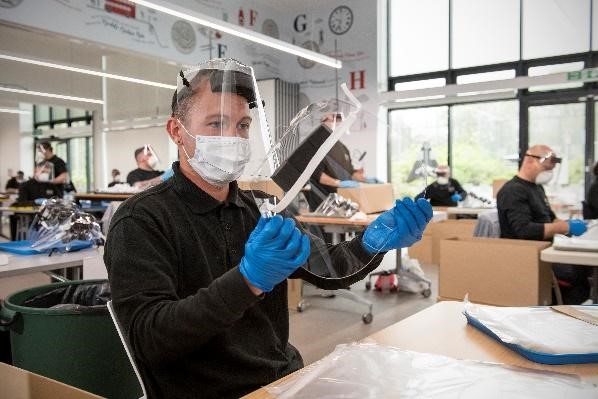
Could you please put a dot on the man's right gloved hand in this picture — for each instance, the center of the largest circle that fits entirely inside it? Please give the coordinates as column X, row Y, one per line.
column 348, row 184
column 274, row 250
column 577, row 227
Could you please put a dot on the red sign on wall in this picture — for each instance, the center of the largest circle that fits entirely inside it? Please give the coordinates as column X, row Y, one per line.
column 121, row 7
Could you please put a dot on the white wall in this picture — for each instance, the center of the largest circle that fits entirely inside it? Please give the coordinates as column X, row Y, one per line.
column 9, row 146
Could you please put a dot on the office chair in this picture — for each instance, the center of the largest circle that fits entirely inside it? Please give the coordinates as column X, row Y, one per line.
column 126, row 346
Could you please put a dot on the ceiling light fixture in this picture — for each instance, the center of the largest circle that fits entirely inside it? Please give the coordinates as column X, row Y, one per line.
column 15, row 111
column 86, row 71
column 52, row 95
column 226, row 27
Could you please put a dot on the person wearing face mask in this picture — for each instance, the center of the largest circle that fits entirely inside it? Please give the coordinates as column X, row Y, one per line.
column 146, row 162
column 12, row 185
column 58, row 172
column 445, row 191
column 115, row 178
column 197, row 274
column 524, row 213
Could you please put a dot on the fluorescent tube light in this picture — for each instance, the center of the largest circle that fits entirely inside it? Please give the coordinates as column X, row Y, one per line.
column 52, row 95
column 231, row 29
column 15, row 111
column 87, row 71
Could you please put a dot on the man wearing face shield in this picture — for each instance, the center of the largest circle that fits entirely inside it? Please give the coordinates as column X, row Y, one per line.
column 146, row 162
column 524, row 213
column 198, row 276
column 445, row 191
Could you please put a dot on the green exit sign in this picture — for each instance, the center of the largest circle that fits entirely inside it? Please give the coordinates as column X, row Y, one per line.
column 585, row 75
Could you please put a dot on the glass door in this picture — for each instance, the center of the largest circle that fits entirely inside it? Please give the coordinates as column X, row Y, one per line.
column 563, row 128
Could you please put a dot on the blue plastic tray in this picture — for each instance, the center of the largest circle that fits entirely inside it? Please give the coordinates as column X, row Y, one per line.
column 538, row 357
column 24, row 247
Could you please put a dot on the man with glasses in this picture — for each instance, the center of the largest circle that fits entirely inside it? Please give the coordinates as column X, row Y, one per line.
column 524, row 213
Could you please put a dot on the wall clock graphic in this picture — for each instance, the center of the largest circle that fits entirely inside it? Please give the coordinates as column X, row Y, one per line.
column 340, row 20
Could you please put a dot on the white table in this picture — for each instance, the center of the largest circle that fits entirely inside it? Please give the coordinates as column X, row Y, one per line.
column 455, row 210
column 25, row 264
column 581, row 258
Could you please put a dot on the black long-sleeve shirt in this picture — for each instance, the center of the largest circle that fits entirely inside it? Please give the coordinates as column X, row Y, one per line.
column 440, row 194
column 196, row 329
column 523, row 209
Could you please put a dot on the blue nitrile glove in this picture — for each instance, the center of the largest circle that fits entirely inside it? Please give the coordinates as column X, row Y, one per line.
column 372, row 180
column 398, row 227
column 577, row 227
column 348, row 184
column 456, row 197
column 168, row 173
column 274, row 250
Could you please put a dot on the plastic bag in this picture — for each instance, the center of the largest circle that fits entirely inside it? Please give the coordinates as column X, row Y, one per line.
column 539, row 328
column 61, row 222
column 375, row 371
column 82, row 298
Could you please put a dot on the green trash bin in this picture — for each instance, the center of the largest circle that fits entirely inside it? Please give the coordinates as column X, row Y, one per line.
column 74, row 342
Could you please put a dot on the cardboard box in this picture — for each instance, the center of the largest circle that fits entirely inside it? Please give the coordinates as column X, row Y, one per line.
column 371, row 198
column 494, row 271
column 267, row 186
column 422, row 250
column 16, row 383
column 295, row 292
column 447, row 229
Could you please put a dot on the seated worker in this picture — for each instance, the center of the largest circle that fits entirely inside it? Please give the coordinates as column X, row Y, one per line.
column 524, row 213
column 115, row 178
column 336, row 170
column 445, row 191
column 12, row 185
column 198, row 278
column 146, row 162
column 59, row 175
column 591, row 203
column 40, row 186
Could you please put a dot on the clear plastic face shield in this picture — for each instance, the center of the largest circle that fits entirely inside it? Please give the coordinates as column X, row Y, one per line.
column 151, row 156
column 219, row 109
column 289, row 169
column 550, row 165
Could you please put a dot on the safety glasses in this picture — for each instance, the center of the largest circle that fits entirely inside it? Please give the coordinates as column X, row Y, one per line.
column 550, row 157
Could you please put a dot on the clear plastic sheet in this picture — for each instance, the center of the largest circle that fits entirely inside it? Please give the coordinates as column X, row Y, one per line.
column 374, row 371
column 539, row 328
column 60, row 222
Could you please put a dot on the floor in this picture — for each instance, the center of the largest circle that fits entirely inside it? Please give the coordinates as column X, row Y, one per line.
column 328, row 322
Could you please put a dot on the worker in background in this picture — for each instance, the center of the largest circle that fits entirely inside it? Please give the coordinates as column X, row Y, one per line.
column 115, row 178
column 524, row 213
column 591, row 202
column 40, row 186
column 198, row 278
column 59, row 175
column 336, row 170
column 12, row 185
column 445, row 191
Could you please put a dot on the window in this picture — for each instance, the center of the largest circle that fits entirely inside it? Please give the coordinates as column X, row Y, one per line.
column 484, row 32
column 485, row 147
column 486, row 76
column 562, row 127
column 420, row 84
column 418, row 36
column 410, row 128
column 555, row 27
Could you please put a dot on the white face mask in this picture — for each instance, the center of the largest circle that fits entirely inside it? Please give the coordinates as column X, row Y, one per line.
column 117, row 178
column 544, row 177
column 43, row 177
column 219, row 160
column 443, row 180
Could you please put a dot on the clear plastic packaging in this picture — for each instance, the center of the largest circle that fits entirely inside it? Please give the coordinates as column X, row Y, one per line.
column 540, row 329
column 60, row 223
column 375, row 371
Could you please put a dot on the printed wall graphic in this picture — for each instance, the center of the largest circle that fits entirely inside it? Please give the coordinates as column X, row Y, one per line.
column 183, row 36
column 340, row 20
column 270, row 28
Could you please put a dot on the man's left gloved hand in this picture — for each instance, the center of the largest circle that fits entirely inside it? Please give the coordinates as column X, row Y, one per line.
column 456, row 197
column 398, row 227
column 168, row 173
column 577, row 227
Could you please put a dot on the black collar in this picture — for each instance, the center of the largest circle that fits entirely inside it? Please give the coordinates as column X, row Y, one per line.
column 199, row 201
